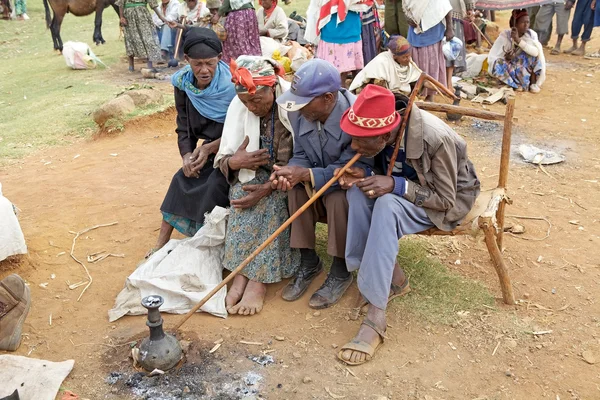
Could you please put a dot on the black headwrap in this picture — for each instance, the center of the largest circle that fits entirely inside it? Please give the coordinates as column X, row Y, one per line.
column 201, row 43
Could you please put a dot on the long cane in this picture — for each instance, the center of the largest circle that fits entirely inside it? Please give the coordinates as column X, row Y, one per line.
column 482, row 34
column 411, row 100
column 268, row 241
column 178, row 42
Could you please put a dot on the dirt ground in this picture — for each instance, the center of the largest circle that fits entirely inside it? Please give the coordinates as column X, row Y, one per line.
column 491, row 354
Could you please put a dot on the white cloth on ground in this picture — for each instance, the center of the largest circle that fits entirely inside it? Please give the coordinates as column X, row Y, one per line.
column 182, row 272
column 529, row 44
column 426, row 13
column 33, row 378
column 276, row 23
column 240, row 122
column 12, row 241
column 384, row 67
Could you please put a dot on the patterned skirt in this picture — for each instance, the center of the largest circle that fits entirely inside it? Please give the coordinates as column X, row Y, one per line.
column 516, row 73
column 345, row 57
column 242, row 35
column 431, row 60
column 141, row 39
column 247, row 229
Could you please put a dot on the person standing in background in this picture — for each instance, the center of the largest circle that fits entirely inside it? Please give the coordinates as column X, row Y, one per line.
column 371, row 34
column 461, row 9
column 241, row 25
column 395, row 20
column 582, row 18
column 543, row 22
column 430, row 21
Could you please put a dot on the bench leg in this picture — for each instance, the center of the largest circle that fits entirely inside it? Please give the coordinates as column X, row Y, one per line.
column 496, row 256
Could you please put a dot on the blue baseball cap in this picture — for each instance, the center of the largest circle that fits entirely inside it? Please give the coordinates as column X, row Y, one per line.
column 314, row 78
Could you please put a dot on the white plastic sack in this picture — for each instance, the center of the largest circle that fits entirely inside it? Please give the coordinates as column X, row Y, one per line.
column 452, row 48
column 182, row 272
column 79, row 55
column 269, row 45
column 33, row 378
column 12, row 241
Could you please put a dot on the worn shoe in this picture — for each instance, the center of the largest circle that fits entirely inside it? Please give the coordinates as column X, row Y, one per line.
column 331, row 292
column 15, row 300
column 298, row 285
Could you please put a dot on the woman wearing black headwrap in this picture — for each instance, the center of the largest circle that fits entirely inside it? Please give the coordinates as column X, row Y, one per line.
column 203, row 91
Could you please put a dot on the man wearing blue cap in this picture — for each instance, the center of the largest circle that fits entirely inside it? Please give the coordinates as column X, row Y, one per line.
column 315, row 104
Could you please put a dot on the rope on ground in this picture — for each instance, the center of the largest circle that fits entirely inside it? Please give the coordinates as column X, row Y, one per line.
column 77, row 234
column 534, row 218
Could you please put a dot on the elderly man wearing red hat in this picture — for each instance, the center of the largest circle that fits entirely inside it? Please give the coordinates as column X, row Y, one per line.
column 433, row 184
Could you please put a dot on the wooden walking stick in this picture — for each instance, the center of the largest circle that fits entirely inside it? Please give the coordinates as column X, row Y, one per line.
column 482, row 34
column 411, row 100
column 178, row 42
column 268, row 241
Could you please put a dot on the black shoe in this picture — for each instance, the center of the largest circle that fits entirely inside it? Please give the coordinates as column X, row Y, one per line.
column 298, row 285
column 331, row 292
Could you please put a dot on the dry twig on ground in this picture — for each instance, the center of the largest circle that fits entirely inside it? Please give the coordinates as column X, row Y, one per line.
column 77, row 234
column 534, row 218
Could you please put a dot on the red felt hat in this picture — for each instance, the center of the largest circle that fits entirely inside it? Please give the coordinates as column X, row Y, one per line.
column 373, row 113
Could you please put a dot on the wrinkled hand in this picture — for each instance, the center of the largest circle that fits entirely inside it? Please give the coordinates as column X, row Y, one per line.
column 255, row 194
column 215, row 19
column 199, row 158
column 376, row 186
column 248, row 159
column 285, row 178
column 449, row 33
column 350, row 177
column 187, row 166
column 123, row 21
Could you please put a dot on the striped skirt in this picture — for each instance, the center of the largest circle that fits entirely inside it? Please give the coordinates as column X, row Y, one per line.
column 432, row 61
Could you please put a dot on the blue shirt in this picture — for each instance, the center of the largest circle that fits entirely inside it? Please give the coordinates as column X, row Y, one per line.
column 427, row 38
column 346, row 32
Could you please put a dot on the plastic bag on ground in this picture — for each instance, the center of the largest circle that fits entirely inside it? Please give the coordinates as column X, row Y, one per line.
column 79, row 55
column 182, row 272
column 12, row 241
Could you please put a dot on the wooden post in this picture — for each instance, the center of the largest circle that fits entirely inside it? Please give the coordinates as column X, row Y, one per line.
column 504, row 163
column 466, row 111
column 490, row 240
column 260, row 248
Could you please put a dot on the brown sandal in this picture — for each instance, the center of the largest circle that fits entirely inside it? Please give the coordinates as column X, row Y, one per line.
column 395, row 291
column 362, row 346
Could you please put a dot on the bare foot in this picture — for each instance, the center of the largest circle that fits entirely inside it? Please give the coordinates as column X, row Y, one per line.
column 570, row 50
column 579, row 52
column 555, row 50
column 235, row 293
column 368, row 335
column 252, row 301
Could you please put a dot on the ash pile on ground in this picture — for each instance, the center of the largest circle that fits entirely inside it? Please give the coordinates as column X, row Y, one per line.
column 201, row 377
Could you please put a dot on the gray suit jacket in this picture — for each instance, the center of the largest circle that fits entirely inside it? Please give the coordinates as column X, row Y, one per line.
column 323, row 147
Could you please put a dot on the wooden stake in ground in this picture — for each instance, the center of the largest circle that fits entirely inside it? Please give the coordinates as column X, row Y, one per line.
column 268, row 241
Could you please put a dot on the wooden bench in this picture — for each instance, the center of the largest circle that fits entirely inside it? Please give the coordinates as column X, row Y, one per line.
column 487, row 214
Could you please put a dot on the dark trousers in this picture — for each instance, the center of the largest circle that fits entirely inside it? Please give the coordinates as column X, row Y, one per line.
column 583, row 17
column 332, row 208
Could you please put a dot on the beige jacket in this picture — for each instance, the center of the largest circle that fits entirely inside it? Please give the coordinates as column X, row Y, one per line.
column 448, row 184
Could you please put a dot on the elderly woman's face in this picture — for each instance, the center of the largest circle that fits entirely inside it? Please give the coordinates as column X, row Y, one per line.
column 259, row 103
column 403, row 60
column 203, row 69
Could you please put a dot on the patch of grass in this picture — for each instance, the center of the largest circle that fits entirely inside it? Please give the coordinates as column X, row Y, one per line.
column 42, row 101
column 437, row 293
